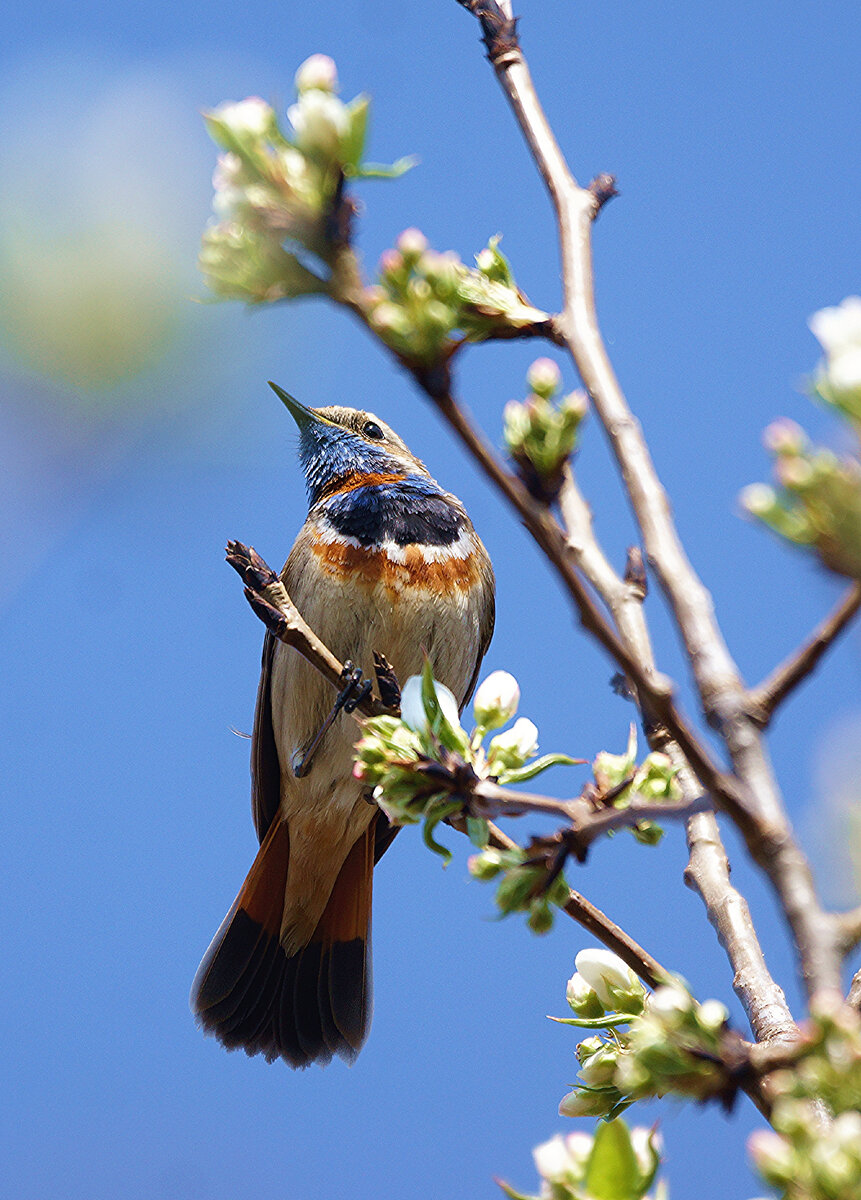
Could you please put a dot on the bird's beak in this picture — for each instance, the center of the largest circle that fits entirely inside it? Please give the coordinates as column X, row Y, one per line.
column 301, row 415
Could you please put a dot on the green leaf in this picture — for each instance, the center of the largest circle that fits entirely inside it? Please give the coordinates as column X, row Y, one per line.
column 436, row 812
column 608, row 1021
column 647, row 833
column 353, row 141
column 478, row 831
column 381, row 171
column 521, row 774
column 613, row 1172
column 509, row 1191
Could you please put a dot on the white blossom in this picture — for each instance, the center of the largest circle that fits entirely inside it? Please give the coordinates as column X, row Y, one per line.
column 317, row 72
column 319, row 120
column 251, row 117
column 413, row 711
column 496, row 700
column 602, row 969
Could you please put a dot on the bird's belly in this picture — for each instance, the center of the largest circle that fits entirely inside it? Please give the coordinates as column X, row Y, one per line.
column 357, row 603
column 354, row 613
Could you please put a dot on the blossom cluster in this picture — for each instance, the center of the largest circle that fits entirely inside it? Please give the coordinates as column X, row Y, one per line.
column 541, row 433
column 276, row 192
column 423, row 764
column 817, row 503
column 672, row 1044
column 814, row 1149
column 616, row 1163
column 423, row 302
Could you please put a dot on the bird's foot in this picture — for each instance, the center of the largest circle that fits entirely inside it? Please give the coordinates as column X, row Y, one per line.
column 353, row 692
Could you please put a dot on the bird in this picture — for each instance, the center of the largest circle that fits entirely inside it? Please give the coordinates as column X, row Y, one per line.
column 386, row 561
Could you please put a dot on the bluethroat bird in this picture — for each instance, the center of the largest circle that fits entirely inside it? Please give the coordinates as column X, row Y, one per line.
column 386, row 561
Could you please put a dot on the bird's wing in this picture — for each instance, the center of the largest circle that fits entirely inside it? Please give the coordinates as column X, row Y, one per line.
column 265, row 767
column 488, row 620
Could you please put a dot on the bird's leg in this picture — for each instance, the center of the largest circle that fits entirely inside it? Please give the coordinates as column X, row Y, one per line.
column 351, row 694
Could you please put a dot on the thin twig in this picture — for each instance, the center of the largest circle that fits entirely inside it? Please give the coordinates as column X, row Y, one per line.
column 764, row 699
column 759, row 812
column 583, row 818
column 600, row 926
column 271, row 602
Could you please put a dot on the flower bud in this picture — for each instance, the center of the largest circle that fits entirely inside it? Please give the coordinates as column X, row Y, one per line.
column 784, row 437
column 413, row 712
column 773, row 1156
column 615, row 984
column 647, row 1145
column 485, row 865
column 758, row 498
column 582, row 998
column 510, row 749
column 712, row 1015
column 496, row 700
column 412, row 244
column 669, row 1003
column 552, row 1160
column 317, row 72
column 583, row 1102
column 319, row 120
column 544, row 377
column 251, row 118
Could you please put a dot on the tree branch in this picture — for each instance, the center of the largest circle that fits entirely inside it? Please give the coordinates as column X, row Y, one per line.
column 764, row 699
column 708, row 867
column 757, row 807
column 585, row 821
column 271, row 602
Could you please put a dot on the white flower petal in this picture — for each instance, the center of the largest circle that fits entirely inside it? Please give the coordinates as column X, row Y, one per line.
column 838, row 328
column 602, row 967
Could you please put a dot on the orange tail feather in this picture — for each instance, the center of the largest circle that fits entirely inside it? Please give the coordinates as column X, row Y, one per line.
column 308, row 1006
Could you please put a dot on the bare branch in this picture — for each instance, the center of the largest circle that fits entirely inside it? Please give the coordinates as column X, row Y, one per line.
column 764, row 699
column 757, row 808
column 854, row 997
column 728, row 911
column 271, row 602
column 848, row 929
column 708, row 867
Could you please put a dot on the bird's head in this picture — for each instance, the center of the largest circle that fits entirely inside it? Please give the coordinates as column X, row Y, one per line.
column 337, row 442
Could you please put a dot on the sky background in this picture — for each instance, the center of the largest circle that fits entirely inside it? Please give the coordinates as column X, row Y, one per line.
column 137, row 435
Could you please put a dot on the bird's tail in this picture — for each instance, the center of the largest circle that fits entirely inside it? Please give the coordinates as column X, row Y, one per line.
column 304, row 1007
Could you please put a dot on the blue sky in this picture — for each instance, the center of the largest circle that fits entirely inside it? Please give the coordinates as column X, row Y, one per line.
column 137, row 435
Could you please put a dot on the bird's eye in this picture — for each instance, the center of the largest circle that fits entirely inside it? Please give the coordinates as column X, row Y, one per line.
column 372, row 430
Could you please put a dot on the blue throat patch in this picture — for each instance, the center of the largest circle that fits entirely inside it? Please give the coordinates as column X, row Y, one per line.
column 406, row 511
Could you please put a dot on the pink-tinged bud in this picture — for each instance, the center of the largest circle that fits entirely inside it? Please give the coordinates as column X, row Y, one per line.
column 544, row 377
column 391, row 262
column 793, row 472
column 412, row 244
column 772, row 1154
column 784, row 437
column 318, row 72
